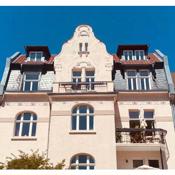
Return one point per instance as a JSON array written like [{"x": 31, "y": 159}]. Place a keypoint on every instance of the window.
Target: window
[
  {"x": 149, "y": 118},
  {"x": 25, "y": 124},
  {"x": 83, "y": 47},
  {"x": 153, "y": 163},
  {"x": 138, "y": 80},
  {"x": 35, "y": 56},
  {"x": 144, "y": 80},
  {"x": 134, "y": 119},
  {"x": 83, "y": 118},
  {"x": 30, "y": 82},
  {"x": 128, "y": 54},
  {"x": 90, "y": 80},
  {"x": 137, "y": 163},
  {"x": 82, "y": 162},
  {"x": 80, "y": 47},
  {"x": 132, "y": 80},
  {"x": 139, "y": 54}
]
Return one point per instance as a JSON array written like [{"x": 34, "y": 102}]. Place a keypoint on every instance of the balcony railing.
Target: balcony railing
[
  {"x": 138, "y": 135},
  {"x": 98, "y": 86}
]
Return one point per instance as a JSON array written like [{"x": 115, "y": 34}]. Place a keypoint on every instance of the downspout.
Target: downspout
[
  {"x": 49, "y": 126},
  {"x": 169, "y": 80}
]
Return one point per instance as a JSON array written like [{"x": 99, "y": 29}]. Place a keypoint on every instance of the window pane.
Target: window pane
[
  {"x": 142, "y": 54},
  {"x": 73, "y": 160},
  {"x": 38, "y": 55},
  {"x": 31, "y": 76},
  {"x": 142, "y": 84},
  {"x": 92, "y": 160},
  {"x": 34, "y": 129},
  {"x": 83, "y": 109},
  {"x": 74, "y": 110},
  {"x": 32, "y": 56},
  {"x": 89, "y": 73},
  {"x": 74, "y": 121},
  {"x": 131, "y": 73},
  {"x": 129, "y": 84},
  {"x": 91, "y": 167},
  {"x": 26, "y": 116},
  {"x": 27, "y": 86},
  {"x": 82, "y": 167},
  {"x": 82, "y": 159},
  {"x": 143, "y": 73},
  {"x": 25, "y": 129},
  {"x": 150, "y": 124},
  {"x": 137, "y": 163},
  {"x": 134, "y": 123},
  {"x": 34, "y": 117},
  {"x": 153, "y": 163},
  {"x": 91, "y": 122},
  {"x": 137, "y": 55},
  {"x": 134, "y": 84},
  {"x": 148, "y": 114},
  {"x": 147, "y": 83},
  {"x": 130, "y": 55},
  {"x": 34, "y": 86},
  {"x": 91, "y": 110},
  {"x": 134, "y": 114},
  {"x": 19, "y": 117},
  {"x": 17, "y": 129},
  {"x": 82, "y": 122},
  {"x": 76, "y": 73}
]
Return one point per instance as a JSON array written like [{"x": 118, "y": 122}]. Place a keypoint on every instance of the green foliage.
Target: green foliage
[{"x": 30, "y": 161}]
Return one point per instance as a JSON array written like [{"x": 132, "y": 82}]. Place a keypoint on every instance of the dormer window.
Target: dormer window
[
  {"x": 128, "y": 54},
  {"x": 139, "y": 54},
  {"x": 36, "y": 56}
]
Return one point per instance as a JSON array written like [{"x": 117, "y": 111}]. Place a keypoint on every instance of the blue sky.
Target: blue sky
[{"x": 52, "y": 26}]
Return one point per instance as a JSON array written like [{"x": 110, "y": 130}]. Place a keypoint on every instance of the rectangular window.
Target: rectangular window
[
  {"x": 36, "y": 56},
  {"x": 144, "y": 80},
  {"x": 128, "y": 54},
  {"x": 76, "y": 76},
  {"x": 132, "y": 80},
  {"x": 30, "y": 82},
  {"x": 90, "y": 79},
  {"x": 137, "y": 163},
  {"x": 140, "y": 54},
  {"x": 134, "y": 114},
  {"x": 153, "y": 163},
  {"x": 82, "y": 122},
  {"x": 148, "y": 114}
]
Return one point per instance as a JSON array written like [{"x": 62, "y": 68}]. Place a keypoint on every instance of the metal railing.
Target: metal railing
[{"x": 138, "y": 135}]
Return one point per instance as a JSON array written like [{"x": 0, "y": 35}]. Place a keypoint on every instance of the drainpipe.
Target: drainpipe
[{"x": 169, "y": 80}]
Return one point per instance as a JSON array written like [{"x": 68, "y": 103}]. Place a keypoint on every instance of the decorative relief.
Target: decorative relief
[{"x": 25, "y": 104}]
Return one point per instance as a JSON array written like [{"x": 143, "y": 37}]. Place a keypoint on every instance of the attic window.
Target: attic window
[{"x": 36, "y": 56}]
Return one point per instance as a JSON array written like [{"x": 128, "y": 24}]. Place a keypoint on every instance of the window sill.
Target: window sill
[
  {"x": 82, "y": 132},
  {"x": 23, "y": 138}
]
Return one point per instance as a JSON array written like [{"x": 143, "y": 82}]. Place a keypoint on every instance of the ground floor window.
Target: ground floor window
[
  {"x": 82, "y": 162},
  {"x": 137, "y": 163},
  {"x": 153, "y": 163}
]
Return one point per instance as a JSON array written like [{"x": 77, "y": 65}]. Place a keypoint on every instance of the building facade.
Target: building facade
[{"x": 91, "y": 108}]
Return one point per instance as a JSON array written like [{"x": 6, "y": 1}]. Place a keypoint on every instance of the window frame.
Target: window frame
[
  {"x": 132, "y": 77},
  {"x": 144, "y": 58},
  {"x": 31, "y": 81},
  {"x": 128, "y": 56},
  {"x": 21, "y": 122},
  {"x": 77, "y": 164},
  {"x": 144, "y": 77},
  {"x": 35, "y": 58},
  {"x": 77, "y": 115}
]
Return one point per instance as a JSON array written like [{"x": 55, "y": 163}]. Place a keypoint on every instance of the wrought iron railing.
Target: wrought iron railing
[{"x": 138, "y": 135}]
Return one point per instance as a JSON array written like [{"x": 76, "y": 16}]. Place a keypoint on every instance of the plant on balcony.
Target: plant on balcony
[{"x": 30, "y": 161}]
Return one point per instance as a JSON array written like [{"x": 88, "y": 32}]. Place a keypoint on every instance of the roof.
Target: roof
[
  {"x": 151, "y": 58},
  {"x": 173, "y": 77}
]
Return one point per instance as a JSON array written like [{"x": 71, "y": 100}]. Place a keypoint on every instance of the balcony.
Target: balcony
[
  {"x": 80, "y": 87},
  {"x": 138, "y": 135}
]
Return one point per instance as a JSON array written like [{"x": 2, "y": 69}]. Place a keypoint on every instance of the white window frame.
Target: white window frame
[
  {"x": 150, "y": 119},
  {"x": 21, "y": 123},
  {"x": 31, "y": 81},
  {"x": 87, "y": 164},
  {"x": 132, "y": 77},
  {"x": 127, "y": 51},
  {"x": 35, "y": 59},
  {"x": 78, "y": 115},
  {"x": 144, "y": 77},
  {"x": 77, "y": 77},
  {"x": 144, "y": 58}
]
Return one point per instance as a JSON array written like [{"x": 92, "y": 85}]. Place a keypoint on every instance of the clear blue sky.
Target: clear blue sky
[{"x": 52, "y": 26}]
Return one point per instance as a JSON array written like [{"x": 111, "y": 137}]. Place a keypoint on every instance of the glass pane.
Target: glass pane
[
  {"x": 27, "y": 116},
  {"x": 82, "y": 122},
  {"x": 142, "y": 84},
  {"x": 143, "y": 73},
  {"x": 147, "y": 83},
  {"x": 134, "y": 123},
  {"x": 32, "y": 76},
  {"x": 92, "y": 160},
  {"x": 34, "y": 86},
  {"x": 134, "y": 84},
  {"x": 137, "y": 163},
  {"x": 74, "y": 121},
  {"x": 17, "y": 129},
  {"x": 91, "y": 122},
  {"x": 38, "y": 55},
  {"x": 142, "y": 54},
  {"x": 129, "y": 84},
  {"x": 134, "y": 114},
  {"x": 130, "y": 55},
  {"x": 19, "y": 117},
  {"x": 148, "y": 114},
  {"x": 74, "y": 110},
  {"x": 131, "y": 73},
  {"x": 82, "y": 167},
  {"x": 32, "y": 56},
  {"x": 82, "y": 159},
  {"x": 91, "y": 110},
  {"x": 73, "y": 167},
  {"x": 34, "y": 117},
  {"x": 89, "y": 73},
  {"x": 25, "y": 129},
  {"x": 91, "y": 167},
  {"x": 27, "y": 85},
  {"x": 76, "y": 73},
  {"x": 34, "y": 129},
  {"x": 153, "y": 163},
  {"x": 150, "y": 124},
  {"x": 137, "y": 55},
  {"x": 83, "y": 109},
  {"x": 73, "y": 160}
]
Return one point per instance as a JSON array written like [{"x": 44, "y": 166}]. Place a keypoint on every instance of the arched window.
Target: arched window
[
  {"x": 25, "y": 124},
  {"x": 82, "y": 161},
  {"x": 83, "y": 118}
]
